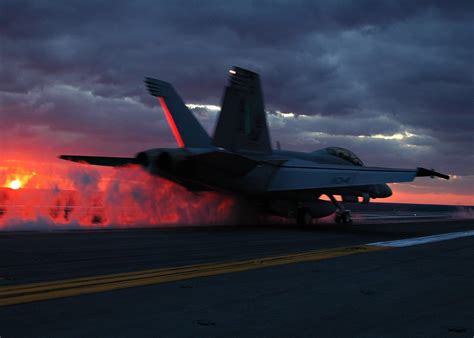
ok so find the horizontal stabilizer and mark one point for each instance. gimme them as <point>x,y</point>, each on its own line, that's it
<point>101,160</point>
<point>422,172</point>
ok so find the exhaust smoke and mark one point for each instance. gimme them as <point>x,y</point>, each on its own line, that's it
<point>73,196</point>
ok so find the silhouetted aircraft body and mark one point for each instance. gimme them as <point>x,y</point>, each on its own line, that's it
<point>239,158</point>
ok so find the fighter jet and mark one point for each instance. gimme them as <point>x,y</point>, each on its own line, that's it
<point>239,159</point>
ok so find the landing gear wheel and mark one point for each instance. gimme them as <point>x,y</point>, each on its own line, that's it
<point>343,217</point>
<point>304,217</point>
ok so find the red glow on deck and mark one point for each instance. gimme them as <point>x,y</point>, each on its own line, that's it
<point>171,123</point>
<point>66,195</point>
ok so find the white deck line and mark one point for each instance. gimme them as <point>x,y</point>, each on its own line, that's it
<point>423,240</point>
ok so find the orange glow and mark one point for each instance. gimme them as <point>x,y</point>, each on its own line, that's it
<point>67,194</point>
<point>171,123</point>
<point>427,198</point>
<point>419,198</point>
<point>15,184</point>
<point>17,179</point>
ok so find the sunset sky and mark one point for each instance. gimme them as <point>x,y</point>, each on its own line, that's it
<point>391,80</point>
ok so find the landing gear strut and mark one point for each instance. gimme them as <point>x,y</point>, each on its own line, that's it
<point>342,215</point>
<point>304,217</point>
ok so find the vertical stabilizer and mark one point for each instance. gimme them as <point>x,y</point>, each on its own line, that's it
<point>186,129</point>
<point>242,124</point>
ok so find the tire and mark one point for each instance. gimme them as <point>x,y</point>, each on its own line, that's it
<point>343,218</point>
<point>304,217</point>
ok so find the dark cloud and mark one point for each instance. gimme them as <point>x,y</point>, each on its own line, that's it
<point>357,68</point>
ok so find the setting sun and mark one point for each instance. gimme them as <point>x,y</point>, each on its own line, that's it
<point>15,184</point>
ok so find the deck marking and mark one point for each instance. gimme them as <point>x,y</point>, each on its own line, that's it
<point>33,292</point>
<point>26,293</point>
<point>400,243</point>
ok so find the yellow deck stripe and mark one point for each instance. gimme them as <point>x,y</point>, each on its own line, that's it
<point>44,286</point>
<point>18,294</point>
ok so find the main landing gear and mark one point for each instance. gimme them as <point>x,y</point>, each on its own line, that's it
<point>304,217</point>
<point>342,215</point>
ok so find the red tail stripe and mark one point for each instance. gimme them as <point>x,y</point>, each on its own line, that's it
<point>171,122</point>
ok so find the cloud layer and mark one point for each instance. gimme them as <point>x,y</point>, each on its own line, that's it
<point>391,80</point>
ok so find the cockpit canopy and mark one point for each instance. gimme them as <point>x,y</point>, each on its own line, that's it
<point>345,154</point>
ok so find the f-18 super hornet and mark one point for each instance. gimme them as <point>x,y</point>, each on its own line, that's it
<point>239,159</point>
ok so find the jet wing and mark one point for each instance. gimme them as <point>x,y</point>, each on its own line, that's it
<point>101,160</point>
<point>303,175</point>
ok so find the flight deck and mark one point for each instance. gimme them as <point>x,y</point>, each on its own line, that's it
<point>378,278</point>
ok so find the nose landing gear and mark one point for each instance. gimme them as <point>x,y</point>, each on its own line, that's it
<point>342,215</point>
